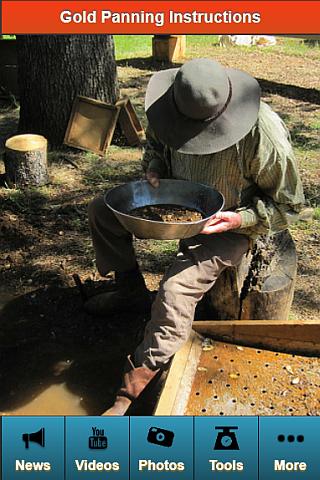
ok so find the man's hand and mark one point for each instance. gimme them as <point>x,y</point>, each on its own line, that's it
<point>222,222</point>
<point>153,178</point>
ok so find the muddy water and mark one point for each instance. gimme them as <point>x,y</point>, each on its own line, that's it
<point>55,400</point>
<point>55,359</point>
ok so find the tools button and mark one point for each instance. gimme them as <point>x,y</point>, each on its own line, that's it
<point>226,448</point>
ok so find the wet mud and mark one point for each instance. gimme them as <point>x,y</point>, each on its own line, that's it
<point>55,359</point>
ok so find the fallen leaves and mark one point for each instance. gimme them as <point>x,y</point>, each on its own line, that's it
<point>289,369</point>
<point>295,381</point>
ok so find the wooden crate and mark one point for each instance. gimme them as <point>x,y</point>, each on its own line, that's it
<point>91,125</point>
<point>129,122</point>
<point>169,48</point>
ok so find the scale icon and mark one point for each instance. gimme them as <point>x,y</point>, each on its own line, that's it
<point>226,439</point>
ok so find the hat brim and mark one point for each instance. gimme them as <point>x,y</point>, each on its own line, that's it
<point>195,136</point>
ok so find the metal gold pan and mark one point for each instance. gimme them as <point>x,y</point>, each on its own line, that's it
<point>124,198</point>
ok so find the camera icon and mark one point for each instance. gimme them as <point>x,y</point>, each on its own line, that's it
<point>159,436</point>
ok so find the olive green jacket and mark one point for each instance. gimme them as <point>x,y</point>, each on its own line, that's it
<point>258,176</point>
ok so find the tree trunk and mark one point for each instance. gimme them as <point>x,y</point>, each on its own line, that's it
<point>262,287</point>
<point>26,161</point>
<point>53,70</point>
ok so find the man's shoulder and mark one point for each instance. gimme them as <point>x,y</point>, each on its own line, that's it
<point>273,133</point>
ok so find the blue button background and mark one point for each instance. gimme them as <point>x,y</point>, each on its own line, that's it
<point>78,431</point>
<point>205,437</point>
<point>13,447</point>
<point>180,451</point>
<point>271,448</point>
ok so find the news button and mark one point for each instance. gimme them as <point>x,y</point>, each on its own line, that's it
<point>32,447</point>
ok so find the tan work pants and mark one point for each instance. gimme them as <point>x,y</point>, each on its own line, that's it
<point>198,264</point>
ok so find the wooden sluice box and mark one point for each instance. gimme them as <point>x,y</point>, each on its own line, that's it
<point>210,377</point>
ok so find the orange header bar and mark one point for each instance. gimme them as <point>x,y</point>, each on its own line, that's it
<point>159,17</point>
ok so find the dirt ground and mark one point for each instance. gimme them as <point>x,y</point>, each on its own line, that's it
<point>45,336</point>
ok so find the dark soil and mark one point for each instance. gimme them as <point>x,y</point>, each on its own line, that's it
<point>166,213</point>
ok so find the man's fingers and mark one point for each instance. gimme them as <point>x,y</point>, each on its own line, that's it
<point>217,228</point>
<point>222,222</point>
<point>223,215</point>
<point>153,179</point>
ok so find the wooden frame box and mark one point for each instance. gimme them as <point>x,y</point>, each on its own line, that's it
<point>91,125</point>
<point>130,123</point>
<point>169,48</point>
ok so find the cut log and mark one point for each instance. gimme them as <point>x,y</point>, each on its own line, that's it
<point>26,161</point>
<point>262,287</point>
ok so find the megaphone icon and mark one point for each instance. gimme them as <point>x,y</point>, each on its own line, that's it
<point>36,437</point>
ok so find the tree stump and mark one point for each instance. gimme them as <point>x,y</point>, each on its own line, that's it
<point>26,161</point>
<point>262,287</point>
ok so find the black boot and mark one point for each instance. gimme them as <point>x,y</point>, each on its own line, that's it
<point>131,295</point>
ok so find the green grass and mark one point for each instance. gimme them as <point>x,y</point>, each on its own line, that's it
<point>315,124</point>
<point>108,172</point>
<point>202,41</point>
<point>290,46</point>
<point>316,213</point>
<point>130,46</point>
<point>163,247</point>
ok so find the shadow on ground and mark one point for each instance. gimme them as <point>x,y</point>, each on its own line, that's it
<point>311,95</point>
<point>46,338</point>
<point>295,92</point>
<point>146,63</point>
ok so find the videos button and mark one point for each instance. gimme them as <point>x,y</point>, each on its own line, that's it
<point>97,447</point>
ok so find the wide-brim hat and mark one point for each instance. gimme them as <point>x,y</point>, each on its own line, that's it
<point>202,107</point>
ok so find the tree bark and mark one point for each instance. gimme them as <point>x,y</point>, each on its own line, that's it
<point>262,287</point>
<point>53,70</point>
<point>26,161</point>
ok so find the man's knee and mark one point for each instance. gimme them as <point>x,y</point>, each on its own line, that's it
<point>97,208</point>
<point>181,291</point>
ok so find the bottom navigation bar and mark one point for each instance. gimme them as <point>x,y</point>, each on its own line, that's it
<point>135,448</point>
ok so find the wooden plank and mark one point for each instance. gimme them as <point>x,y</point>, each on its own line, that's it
<point>175,394</point>
<point>298,336</point>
